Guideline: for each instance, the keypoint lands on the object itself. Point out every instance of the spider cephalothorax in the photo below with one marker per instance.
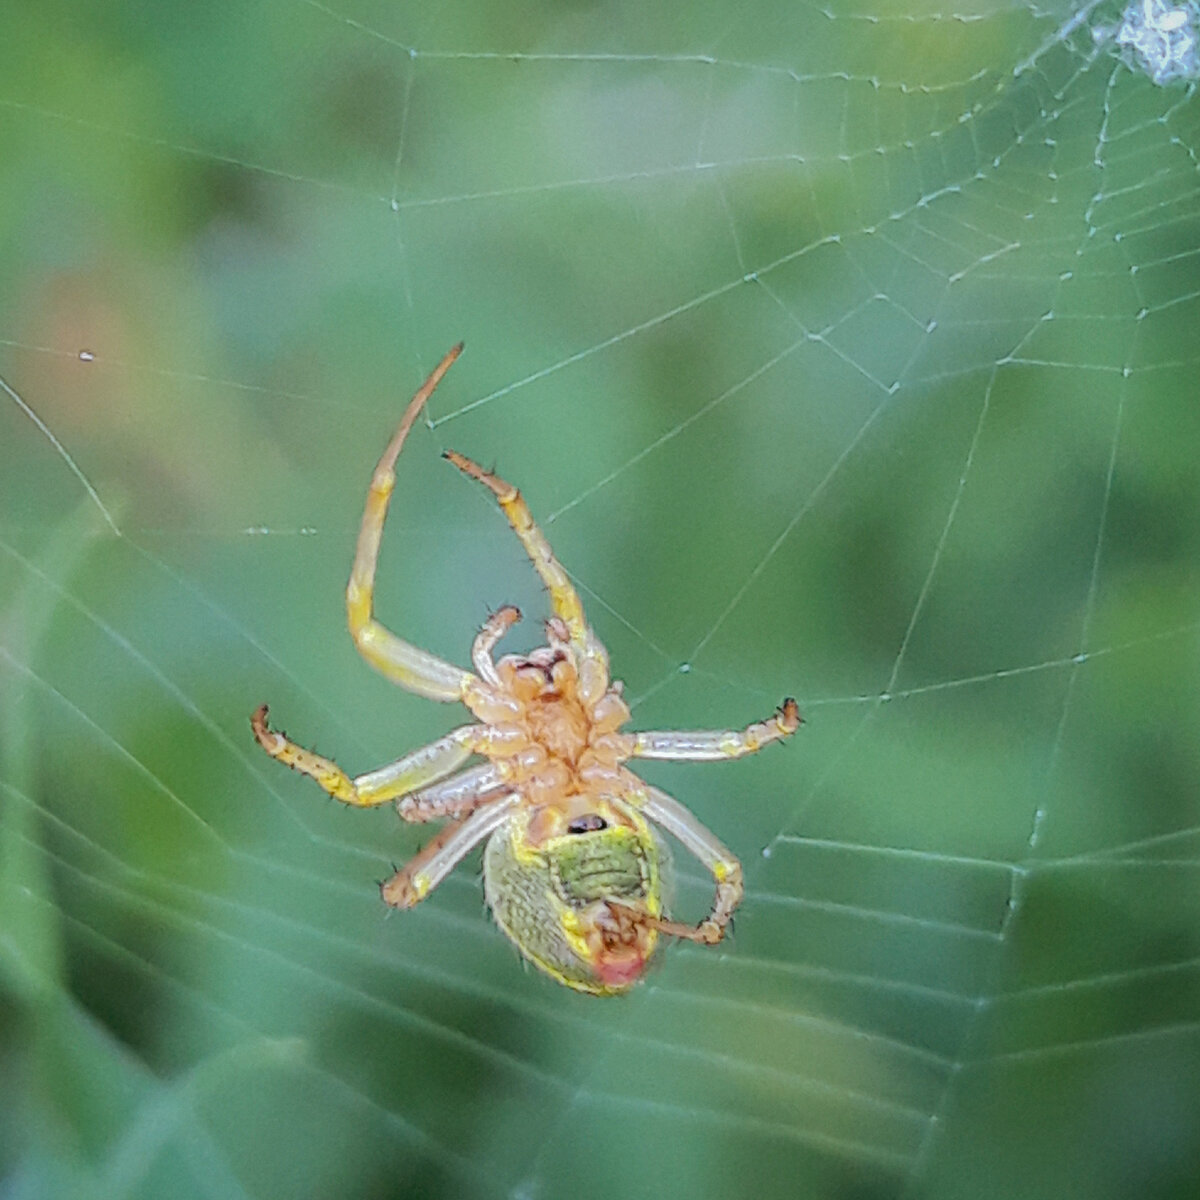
(574, 871)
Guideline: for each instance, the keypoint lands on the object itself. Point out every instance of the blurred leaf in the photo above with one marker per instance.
(843, 353)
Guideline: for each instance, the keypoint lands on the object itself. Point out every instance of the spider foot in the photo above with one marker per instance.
(707, 933)
(504, 492)
(403, 891)
(788, 717)
(323, 770)
(270, 740)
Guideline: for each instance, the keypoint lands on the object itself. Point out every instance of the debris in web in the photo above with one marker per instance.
(1157, 38)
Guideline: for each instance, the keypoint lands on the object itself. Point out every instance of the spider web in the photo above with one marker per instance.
(845, 352)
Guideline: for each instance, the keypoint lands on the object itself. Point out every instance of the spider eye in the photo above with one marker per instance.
(587, 824)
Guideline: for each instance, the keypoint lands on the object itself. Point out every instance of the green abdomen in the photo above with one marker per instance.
(609, 866)
(532, 891)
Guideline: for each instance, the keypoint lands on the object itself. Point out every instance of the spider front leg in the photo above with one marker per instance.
(716, 745)
(416, 770)
(726, 870)
(434, 861)
(564, 600)
(405, 664)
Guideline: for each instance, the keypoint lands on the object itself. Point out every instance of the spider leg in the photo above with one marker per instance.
(416, 770)
(717, 745)
(434, 861)
(405, 664)
(564, 600)
(494, 628)
(694, 837)
(456, 797)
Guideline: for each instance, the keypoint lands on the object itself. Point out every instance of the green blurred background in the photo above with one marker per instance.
(847, 352)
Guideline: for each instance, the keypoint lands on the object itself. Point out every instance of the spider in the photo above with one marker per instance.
(574, 871)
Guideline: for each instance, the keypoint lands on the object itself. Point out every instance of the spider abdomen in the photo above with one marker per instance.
(571, 903)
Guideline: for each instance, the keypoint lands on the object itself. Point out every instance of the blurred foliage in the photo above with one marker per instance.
(845, 352)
